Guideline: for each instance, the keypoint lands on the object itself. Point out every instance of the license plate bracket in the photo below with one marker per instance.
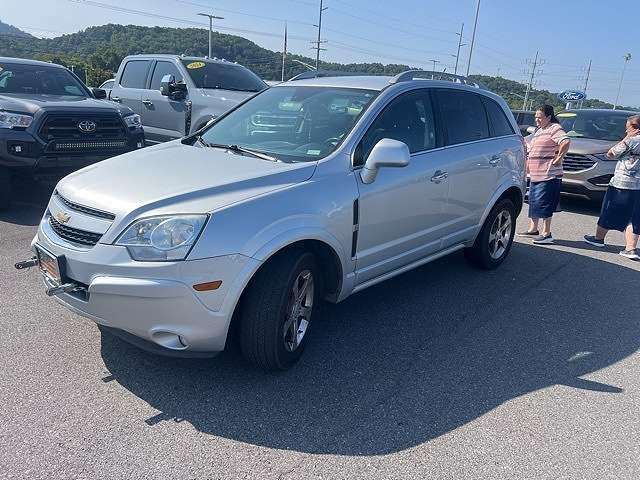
(51, 266)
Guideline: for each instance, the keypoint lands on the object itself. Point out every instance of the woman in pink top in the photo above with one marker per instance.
(546, 149)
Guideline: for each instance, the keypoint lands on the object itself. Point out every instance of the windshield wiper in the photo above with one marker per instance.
(239, 149)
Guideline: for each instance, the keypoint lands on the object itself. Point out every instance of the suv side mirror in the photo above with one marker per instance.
(99, 93)
(386, 153)
(169, 88)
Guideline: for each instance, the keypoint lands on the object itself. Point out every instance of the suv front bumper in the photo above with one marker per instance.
(591, 183)
(153, 301)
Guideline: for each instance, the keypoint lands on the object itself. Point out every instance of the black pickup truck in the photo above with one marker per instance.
(52, 124)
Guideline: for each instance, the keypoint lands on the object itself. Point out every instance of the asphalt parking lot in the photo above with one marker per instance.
(530, 371)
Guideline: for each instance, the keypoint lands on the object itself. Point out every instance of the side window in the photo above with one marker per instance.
(500, 125)
(408, 118)
(162, 69)
(463, 116)
(135, 74)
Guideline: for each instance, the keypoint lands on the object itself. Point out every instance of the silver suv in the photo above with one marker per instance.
(314, 189)
(587, 170)
(176, 95)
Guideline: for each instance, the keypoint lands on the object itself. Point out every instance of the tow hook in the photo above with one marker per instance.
(32, 262)
(66, 288)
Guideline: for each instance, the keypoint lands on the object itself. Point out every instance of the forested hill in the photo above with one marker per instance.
(11, 30)
(97, 51)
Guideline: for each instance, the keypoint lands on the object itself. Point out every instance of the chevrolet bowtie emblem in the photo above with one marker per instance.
(63, 217)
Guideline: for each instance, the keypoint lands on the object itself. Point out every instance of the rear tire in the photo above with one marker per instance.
(495, 238)
(5, 188)
(278, 308)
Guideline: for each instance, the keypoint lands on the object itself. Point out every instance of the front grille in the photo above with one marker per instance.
(74, 235)
(573, 162)
(61, 132)
(82, 209)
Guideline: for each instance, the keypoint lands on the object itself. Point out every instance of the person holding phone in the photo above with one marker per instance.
(621, 204)
(546, 149)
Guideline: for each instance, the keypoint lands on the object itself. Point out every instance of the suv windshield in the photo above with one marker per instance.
(292, 123)
(38, 79)
(224, 76)
(599, 125)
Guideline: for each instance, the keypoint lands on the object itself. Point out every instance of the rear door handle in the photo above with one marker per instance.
(147, 102)
(116, 99)
(495, 160)
(439, 176)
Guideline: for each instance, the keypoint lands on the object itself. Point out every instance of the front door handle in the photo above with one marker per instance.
(439, 176)
(116, 99)
(147, 102)
(495, 160)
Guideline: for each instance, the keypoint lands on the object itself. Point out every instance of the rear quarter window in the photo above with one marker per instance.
(500, 125)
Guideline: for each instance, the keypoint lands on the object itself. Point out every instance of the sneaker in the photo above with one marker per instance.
(591, 240)
(528, 234)
(632, 254)
(543, 240)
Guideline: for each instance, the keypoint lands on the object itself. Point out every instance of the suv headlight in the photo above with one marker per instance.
(162, 239)
(10, 120)
(133, 120)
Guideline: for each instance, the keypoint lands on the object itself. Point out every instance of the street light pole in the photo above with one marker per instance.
(473, 38)
(627, 57)
(211, 17)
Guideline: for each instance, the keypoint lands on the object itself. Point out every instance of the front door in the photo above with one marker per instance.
(163, 118)
(401, 212)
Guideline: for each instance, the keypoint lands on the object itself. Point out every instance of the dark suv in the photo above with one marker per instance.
(52, 124)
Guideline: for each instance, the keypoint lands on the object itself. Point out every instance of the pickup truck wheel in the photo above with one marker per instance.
(495, 238)
(278, 309)
(5, 188)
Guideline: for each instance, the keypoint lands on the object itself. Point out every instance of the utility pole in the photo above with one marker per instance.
(284, 50)
(627, 57)
(319, 42)
(473, 37)
(586, 82)
(211, 17)
(460, 44)
(536, 63)
(434, 66)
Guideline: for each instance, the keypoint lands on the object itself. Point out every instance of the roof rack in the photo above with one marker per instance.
(410, 75)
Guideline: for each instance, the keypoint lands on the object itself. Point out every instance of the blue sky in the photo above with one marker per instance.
(567, 33)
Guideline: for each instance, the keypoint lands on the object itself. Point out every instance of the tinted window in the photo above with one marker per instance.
(527, 119)
(38, 79)
(162, 69)
(135, 74)
(463, 116)
(408, 118)
(227, 76)
(499, 124)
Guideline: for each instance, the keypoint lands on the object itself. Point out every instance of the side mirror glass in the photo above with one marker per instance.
(386, 153)
(166, 83)
(99, 93)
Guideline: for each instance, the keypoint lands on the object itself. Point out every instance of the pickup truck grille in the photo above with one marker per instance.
(573, 162)
(62, 132)
(74, 235)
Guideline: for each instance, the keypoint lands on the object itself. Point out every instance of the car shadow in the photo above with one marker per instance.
(408, 360)
(583, 206)
(29, 201)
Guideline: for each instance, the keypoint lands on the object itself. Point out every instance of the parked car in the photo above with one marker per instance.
(177, 95)
(587, 170)
(52, 124)
(311, 190)
(107, 86)
(525, 119)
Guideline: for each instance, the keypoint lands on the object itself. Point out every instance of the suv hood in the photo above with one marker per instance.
(177, 178)
(32, 103)
(231, 96)
(589, 146)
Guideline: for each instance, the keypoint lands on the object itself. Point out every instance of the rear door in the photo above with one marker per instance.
(163, 118)
(473, 160)
(131, 84)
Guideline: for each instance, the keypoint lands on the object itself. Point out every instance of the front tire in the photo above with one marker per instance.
(495, 238)
(278, 309)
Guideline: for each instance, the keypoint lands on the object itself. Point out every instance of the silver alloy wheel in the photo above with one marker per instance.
(500, 234)
(299, 311)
